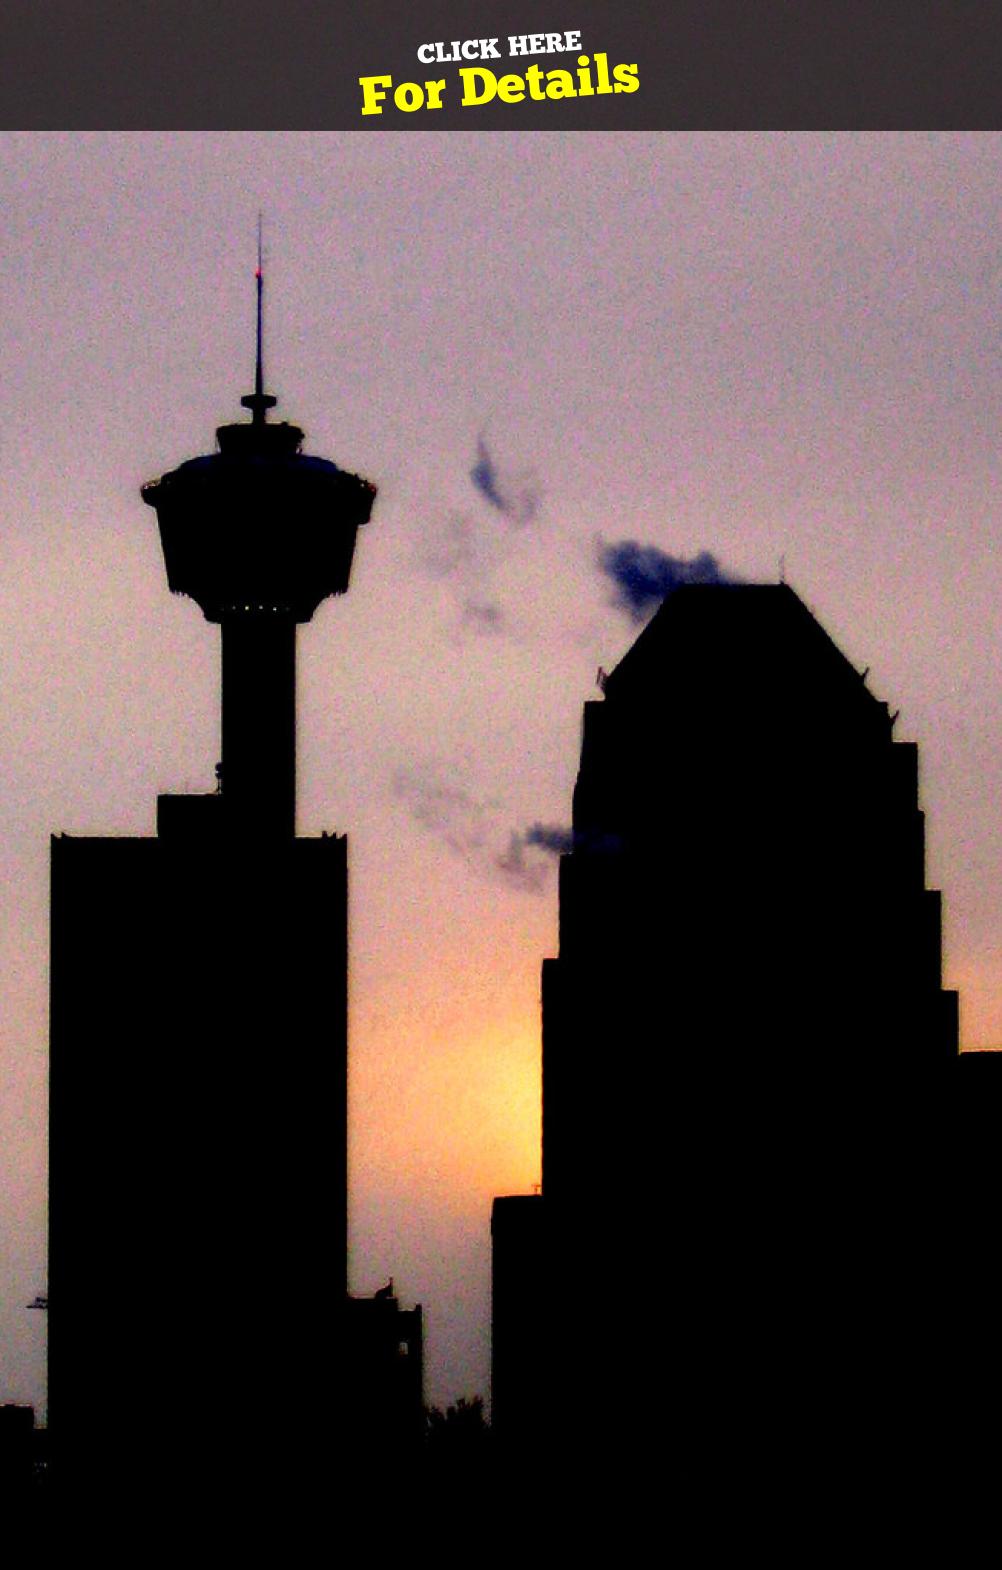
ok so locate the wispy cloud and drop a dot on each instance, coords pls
(466, 545)
(445, 808)
(517, 869)
(472, 828)
(483, 615)
(514, 494)
(449, 548)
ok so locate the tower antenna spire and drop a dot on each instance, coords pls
(259, 275)
(259, 402)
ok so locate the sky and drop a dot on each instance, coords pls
(779, 349)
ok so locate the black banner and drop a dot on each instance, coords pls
(549, 65)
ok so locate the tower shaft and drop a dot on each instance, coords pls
(259, 721)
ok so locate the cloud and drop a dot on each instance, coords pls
(552, 837)
(527, 875)
(449, 549)
(516, 495)
(529, 872)
(447, 810)
(643, 574)
(471, 829)
(466, 545)
(484, 476)
(483, 615)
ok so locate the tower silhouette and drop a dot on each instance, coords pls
(199, 1037)
(747, 1060)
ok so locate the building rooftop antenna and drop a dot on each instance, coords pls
(259, 402)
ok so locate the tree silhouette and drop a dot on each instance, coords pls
(459, 1436)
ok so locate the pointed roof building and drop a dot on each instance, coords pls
(746, 1049)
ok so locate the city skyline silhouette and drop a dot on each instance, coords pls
(828, 399)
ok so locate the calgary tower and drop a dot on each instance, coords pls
(199, 1036)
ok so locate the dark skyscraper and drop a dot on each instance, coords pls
(743, 1034)
(198, 1037)
(746, 895)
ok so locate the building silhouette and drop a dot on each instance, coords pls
(198, 1043)
(18, 1454)
(519, 1354)
(740, 1241)
(383, 1404)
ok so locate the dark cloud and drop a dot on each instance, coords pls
(643, 574)
(484, 476)
(517, 496)
(552, 837)
(529, 872)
